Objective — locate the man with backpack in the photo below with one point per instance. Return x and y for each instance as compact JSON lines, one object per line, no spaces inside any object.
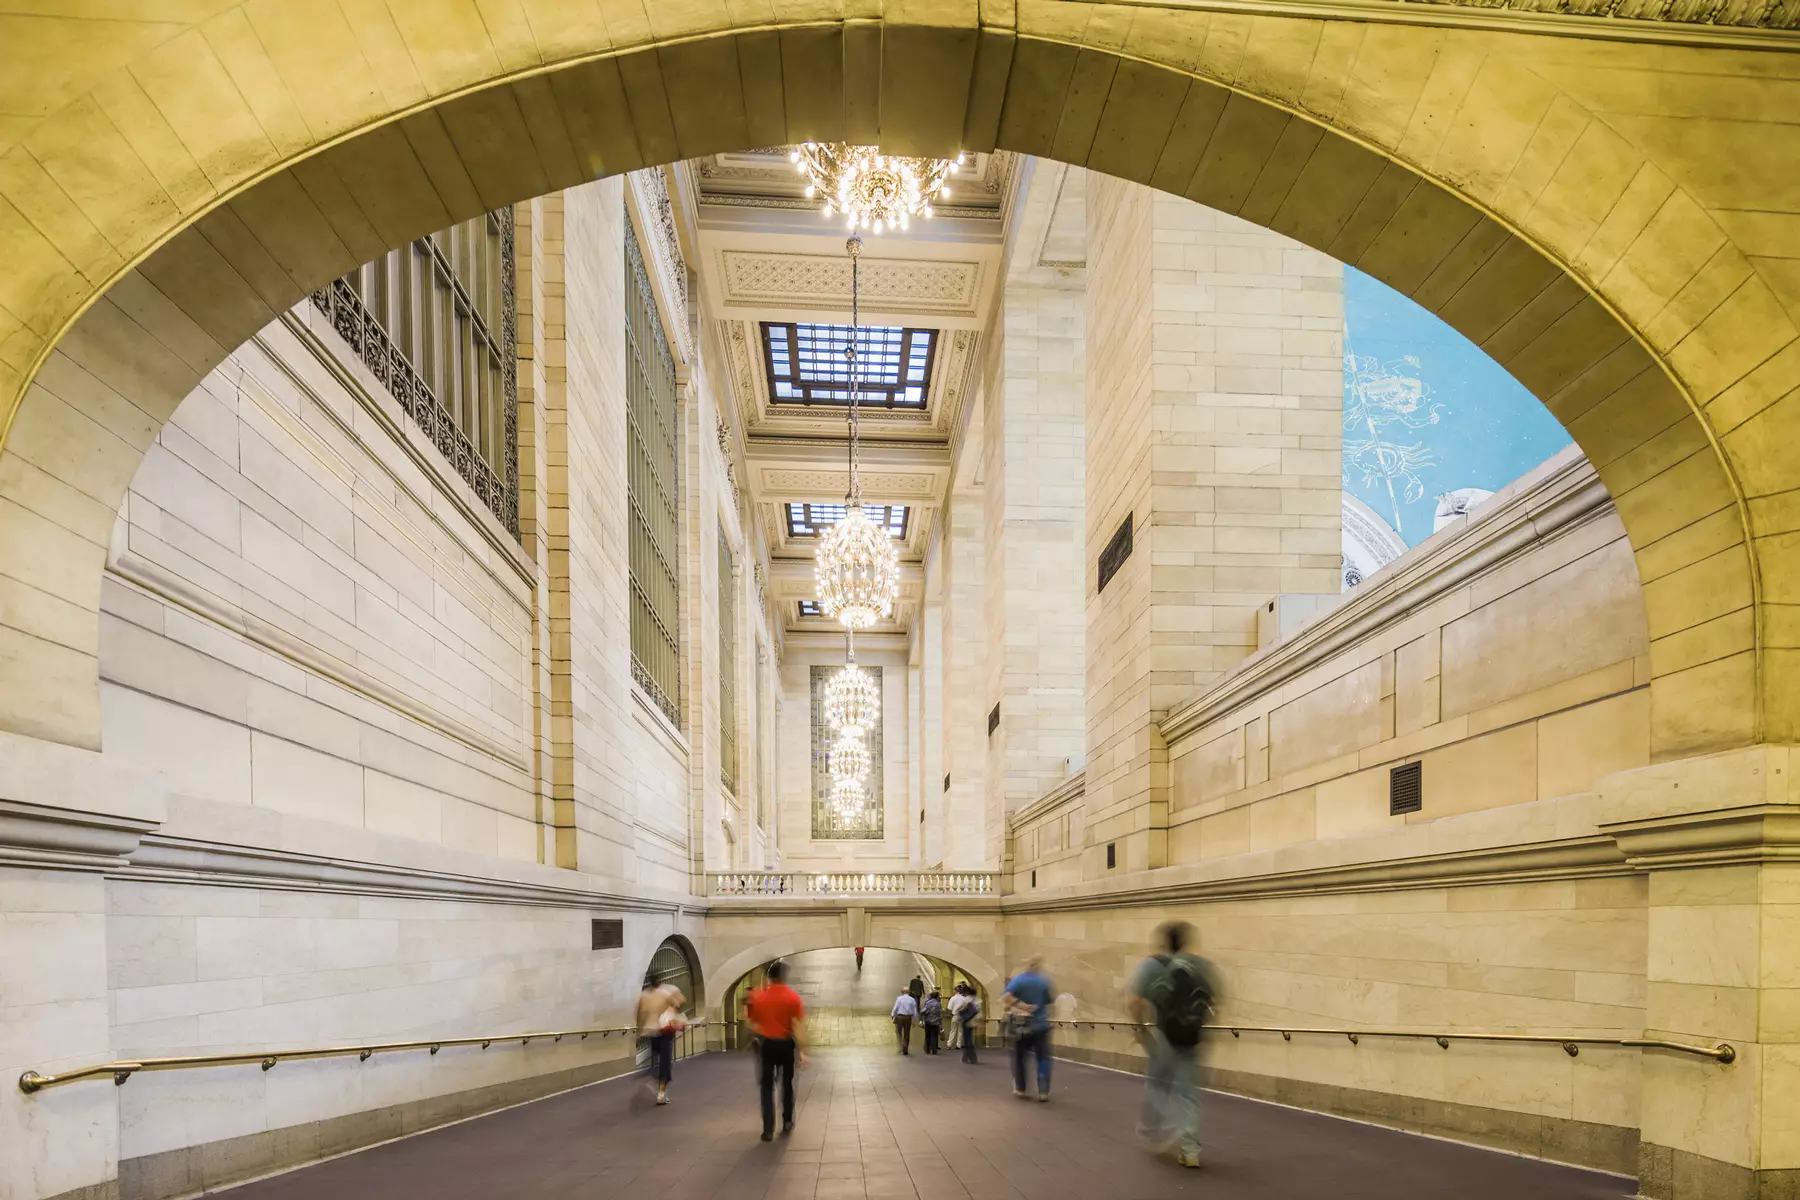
{"x":1173,"y":993}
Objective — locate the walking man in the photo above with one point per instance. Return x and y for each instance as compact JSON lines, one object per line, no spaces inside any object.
{"x":953,"y":1030}
{"x":1173,"y":994}
{"x":776,"y":1012}
{"x":659,"y":1020}
{"x":905,"y":1010}
{"x":859,"y":954}
{"x":1028,"y":996}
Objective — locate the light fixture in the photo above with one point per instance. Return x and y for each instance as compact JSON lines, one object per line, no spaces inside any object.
{"x":847,"y":799}
{"x":848,"y":757}
{"x":869,"y":189}
{"x":857,"y":566}
{"x":852,"y":701}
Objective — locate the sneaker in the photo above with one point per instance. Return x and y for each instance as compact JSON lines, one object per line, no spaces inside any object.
{"x":1187,"y":1160}
{"x":1043,"y":1097}
{"x":767,"y":1136}
{"x":662,"y":1099}
{"x":787,"y":1128}
{"x":1020,"y":1094}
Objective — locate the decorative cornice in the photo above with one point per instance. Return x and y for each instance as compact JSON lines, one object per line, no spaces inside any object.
{"x":1065,"y":793}
{"x":216,"y":864}
{"x":1726,"y":837}
{"x":1713,"y":24}
{"x":1567,"y":496}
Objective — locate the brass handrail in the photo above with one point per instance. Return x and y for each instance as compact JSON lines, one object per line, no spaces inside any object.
{"x":33,"y":1081}
{"x":1722,"y":1053}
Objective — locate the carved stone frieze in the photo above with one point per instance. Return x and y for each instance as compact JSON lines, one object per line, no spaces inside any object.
{"x":664,"y":250}
{"x":754,"y":278}
{"x":1759,"y":14}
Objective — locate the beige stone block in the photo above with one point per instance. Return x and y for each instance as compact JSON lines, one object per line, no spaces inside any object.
{"x":198,"y":753}
{"x":1712,"y":944}
{"x":1416,"y":699}
{"x":1354,"y":804}
{"x":1483,"y":772}
{"x":291,"y":778}
{"x":1332,"y":719}
{"x":401,"y":807}
{"x":1282,"y":821}
{"x":1576,"y":748}
{"x":1225,"y":834}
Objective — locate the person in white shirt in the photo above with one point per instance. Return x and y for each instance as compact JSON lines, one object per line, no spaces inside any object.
{"x":959,"y":1000}
{"x":906,"y":1010}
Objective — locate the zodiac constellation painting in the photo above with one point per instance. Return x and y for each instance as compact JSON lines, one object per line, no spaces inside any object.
{"x":1382,"y":400}
{"x":1426,"y":413}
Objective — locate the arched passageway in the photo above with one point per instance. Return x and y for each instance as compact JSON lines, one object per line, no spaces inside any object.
{"x":848,"y":1003}
{"x":173,"y":198}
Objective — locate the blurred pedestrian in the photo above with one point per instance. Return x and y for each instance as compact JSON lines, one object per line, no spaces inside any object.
{"x":906,"y":1009}
{"x":1173,"y":995}
{"x":931,"y":1016}
{"x":953,"y":1027}
{"x":967,"y":1020}
{"x":659,"y":1019}
{"x":1028,"y":997}
{"x":917,"y":990}
{"x":859,"y":954}
{"x":776,"y":1015}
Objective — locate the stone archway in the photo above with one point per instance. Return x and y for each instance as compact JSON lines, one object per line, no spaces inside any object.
{"x":987,"y":974}
{"x":188,"y":183}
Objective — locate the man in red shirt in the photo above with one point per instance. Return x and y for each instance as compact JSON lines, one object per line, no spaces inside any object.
{"x":776,"y":1012}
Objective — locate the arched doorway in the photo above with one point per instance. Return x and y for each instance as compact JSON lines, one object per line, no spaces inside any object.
{"x":848,"y":1004}
{"x":1625,"y":305}
{"x":675,"y":962}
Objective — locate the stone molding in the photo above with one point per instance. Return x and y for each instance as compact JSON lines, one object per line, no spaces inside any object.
{"x":36,"y":835}
{"x":165,"y":859}
{"x":1560,"y":497}
{"x":654,"y":215}
{"x":170,"y":588}
{"x":1591,"y":857}
{"x":1730,"y":837}
{"x":1063,"y":794}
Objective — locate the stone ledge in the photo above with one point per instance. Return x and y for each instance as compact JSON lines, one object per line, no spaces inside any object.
{"x":191,"y":1170}
{"x":1612,"y":1148}
{"x":1669,"y":1174}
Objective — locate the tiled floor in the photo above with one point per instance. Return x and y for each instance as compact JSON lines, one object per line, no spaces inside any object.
{"x":874,"y":1125}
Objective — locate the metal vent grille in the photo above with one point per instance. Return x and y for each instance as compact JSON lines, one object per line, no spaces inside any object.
{"x":993,"y":719}
{"x":1405,"y":789}
{"x":609,"y":933}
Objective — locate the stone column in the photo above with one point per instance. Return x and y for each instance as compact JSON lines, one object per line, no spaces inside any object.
{"x":1214,"y":399}
{"x":1720,"y":837}
{"x":930,"y":714}
{"x":1033,"y":484}
{"x":965,"y":686}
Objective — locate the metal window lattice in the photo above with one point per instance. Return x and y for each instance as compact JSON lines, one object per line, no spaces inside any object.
{"x":810,"y":520}
{"x":728,"y":720}
{"x":653,"y":488}
{"x":496,"y":483}
{"x":825,"y":825}
{"x":806,"y":364}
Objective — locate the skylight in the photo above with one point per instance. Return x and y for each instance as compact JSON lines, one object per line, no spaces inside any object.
{"x":810,"y":608}
{"x":806,"y":520}
{"x":806,"y":364}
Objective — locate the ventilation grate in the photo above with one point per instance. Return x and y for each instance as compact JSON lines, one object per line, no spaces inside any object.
{"x":1112,"y":859}
{"x":993,"y":719}
{"x":1115,"y":554}
{"x":1406,"y":793}
{"x":609,"y":933}
{"x":946,"y":781}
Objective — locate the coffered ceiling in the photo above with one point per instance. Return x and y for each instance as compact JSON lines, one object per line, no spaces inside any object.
{"x":765,"y":253}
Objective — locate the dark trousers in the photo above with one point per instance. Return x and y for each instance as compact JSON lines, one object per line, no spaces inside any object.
{"x":662,"y":1057}
{"x":903,"y":1031}
{"x":1032,"y":1041}
{"x":775,"y":1054}
{"x":968,"y":1041}
{"x":931,"y":1039}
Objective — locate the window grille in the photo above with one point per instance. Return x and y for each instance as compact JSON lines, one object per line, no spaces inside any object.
{"x":806,"y":364}
{"x":810,"y":520}
{"x":825,"y":825}
{"x":435,"y":321}
{"x":728,"y":739}
{"x":652,"y":444}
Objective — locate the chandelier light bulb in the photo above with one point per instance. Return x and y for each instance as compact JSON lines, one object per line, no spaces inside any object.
{"x":852,"y":702}
{"x":858,"y":571}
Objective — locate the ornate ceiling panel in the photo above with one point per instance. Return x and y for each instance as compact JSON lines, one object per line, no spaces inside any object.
{"x":821,"y":282}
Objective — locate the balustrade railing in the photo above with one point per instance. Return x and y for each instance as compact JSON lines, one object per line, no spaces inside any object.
{"x":802,"y":884}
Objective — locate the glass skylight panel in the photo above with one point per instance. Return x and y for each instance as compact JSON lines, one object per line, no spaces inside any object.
{"x":806,"y":364}
{"x":807,"y":520}
{"x":810,"y":608}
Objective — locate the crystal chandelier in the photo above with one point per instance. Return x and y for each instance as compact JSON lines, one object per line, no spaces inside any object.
{"x":852,"y":701}
{"x":872,"y":190}
{"x":858,"y":568}
{"x":849,"y":757}
{"x":847,"y":799}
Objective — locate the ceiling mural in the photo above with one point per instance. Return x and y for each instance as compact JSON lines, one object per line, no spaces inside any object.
{"x":1432,"y":425}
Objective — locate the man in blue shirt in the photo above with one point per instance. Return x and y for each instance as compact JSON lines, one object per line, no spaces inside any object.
{"x":1028,"y":996}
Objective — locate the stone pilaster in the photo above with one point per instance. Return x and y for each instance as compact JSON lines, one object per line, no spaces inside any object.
{"x":965,"y":685}
{"x":1214,"y":397}
{"x":1720,"y":837}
